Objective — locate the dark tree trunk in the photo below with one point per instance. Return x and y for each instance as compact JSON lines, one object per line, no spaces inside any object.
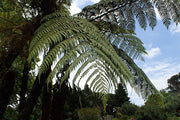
{"x":48,"y":6}
{"x":24,"y":83}
{"x":6,"y":89}
{"x":33,"y":97}
{"x":7,"y":78}
{"x":59,"y":97}
{"x":46,"y":101}
{"x":7,"y":81}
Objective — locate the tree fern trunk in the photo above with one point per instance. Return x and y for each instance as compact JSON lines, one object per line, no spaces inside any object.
{"x":46,"y":101}
{"x":33,"y":97}
{"x":59,"y":96}
{"x":24,"y":86}
{"x":48,"y":6}
{"x":6,"y":89}
{"x":7,"y":81}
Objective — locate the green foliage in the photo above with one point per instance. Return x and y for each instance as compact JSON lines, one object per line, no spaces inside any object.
{"x":142,"y":84}
{"x":125,"y":117}
{"x":125,"y":43}
{"x":108,"y":117}
{"x":73,"y":40}
{"x":128,"y":109}
{"x":66,"y":40}
{"x":173,"y":118}
{"x":115,"y":119}
{"x":124,"y":13}
{"x":122,"y":38}
{"x":10,"y":34}
{"x":9,"y":18}
{"x":117,"y":20}
{"x":89,"y":114}
{"x":150,"y":112}
{"x":37,"y":112}
{"x":13,"y":106}
{"x":172,"y":105}
{"x":117,"y":99}
{"x":11,"y":114}
{"x":174,"y":83}
{"x":155,"y":100}
{"x":77,"y":99}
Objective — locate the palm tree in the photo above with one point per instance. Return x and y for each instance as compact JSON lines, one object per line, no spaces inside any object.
{"x":104,"y":39}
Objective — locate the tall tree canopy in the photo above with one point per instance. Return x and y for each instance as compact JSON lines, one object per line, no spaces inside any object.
{"x":174,"y":83}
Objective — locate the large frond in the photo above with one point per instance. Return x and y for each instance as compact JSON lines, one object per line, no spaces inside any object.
{"x":129,"y":47}
{"x":129,"y":43}
{"x":123,"y":39}
{"x":141,"y":82}
{"x":168,"y":10}
{"x":72,"y":42}
{"x":124,"y":13}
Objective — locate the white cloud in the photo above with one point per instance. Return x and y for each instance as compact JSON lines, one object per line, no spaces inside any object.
{"x":155,"y":67}
{"x":74,"y":9}
{"x":150,"y":45}
{"x":153,"y":52}
{"x":81,"y":3}
{"x":135,"y":99}
{"x":78,"y":4}
{"x":95,"y":1}
{"x":175,"y":28}
{"x":159,"y":72}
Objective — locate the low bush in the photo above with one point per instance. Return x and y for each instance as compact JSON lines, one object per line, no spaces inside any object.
{"x":89,"y":113}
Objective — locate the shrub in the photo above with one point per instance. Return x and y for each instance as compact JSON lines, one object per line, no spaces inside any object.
{"x":173,"y":118}
{"x":128,"y":109}
{"x":150,"y":112}
{"x":89,"y":113}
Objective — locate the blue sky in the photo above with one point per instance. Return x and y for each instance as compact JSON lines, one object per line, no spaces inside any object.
{"x":162,"y":45}
{"x":162,"y":62}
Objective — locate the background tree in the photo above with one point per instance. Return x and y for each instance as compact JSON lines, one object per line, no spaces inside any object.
{"x":150,"y":112}
{"x":172,"y":105}
{"x":13,"y":106}
{"x":117,"y":99}
{"x":78,"y":100}
{"x":174,"y":83}
{"x":128,"y":109}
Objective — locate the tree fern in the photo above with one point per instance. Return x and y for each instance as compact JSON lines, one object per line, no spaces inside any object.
{"x":69,"y":41}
